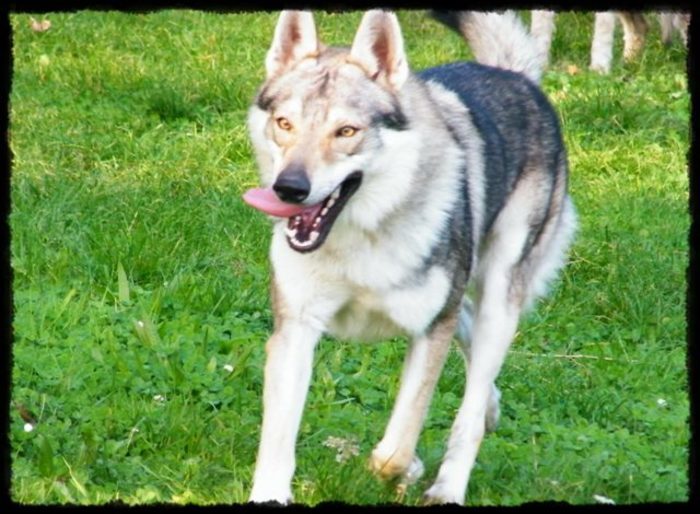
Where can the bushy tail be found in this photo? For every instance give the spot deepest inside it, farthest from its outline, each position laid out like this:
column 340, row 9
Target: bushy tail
column 497, row 39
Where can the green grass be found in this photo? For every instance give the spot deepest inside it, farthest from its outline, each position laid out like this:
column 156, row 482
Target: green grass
column 140, row 280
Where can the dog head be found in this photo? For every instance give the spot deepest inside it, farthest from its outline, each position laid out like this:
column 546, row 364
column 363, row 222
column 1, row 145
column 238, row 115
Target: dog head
column 323, row 119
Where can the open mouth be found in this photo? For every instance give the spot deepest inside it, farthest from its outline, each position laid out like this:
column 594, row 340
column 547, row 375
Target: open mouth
column 308, row 230
column 307, row 227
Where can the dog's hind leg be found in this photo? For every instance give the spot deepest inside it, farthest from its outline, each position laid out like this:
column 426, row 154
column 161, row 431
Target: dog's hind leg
column 495, row 322
column 394, row 456
column 287, row 376
column 527, row 240
column 464, row 335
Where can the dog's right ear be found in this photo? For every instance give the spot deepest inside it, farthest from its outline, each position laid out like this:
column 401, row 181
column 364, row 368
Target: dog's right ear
column 295, row 38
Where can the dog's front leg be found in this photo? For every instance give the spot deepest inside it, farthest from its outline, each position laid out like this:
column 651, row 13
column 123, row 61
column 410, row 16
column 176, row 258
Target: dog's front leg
column 287, row 375
column 394, row 455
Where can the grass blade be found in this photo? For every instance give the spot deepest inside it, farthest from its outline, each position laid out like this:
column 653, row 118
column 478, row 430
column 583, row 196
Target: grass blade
column 123, row 283
column 45, row 458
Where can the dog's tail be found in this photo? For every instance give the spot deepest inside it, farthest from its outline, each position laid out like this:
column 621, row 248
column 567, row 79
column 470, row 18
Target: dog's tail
column 497, row 39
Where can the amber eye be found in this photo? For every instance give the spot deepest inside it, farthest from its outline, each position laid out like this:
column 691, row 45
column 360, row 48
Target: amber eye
column 284, row 124
column 346, row 131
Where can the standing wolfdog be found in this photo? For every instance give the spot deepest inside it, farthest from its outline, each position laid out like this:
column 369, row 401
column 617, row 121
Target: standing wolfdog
column 390, row 193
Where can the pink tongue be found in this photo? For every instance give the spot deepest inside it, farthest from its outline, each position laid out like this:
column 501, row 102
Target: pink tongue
column 265, row 200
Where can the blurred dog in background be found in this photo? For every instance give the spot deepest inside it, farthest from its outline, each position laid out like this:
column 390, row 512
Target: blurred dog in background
column 634, row 25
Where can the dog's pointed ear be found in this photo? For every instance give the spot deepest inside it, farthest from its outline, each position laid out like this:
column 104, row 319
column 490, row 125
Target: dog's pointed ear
column 295, row 38
column 378, row 48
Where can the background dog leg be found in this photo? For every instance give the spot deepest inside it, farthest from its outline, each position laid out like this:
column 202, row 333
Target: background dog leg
column 395, row 454
column 681, row 22
column 287, row 376
column 542, row 29
column 671, row 21
column 666, row 22
column 635, row 29
column 602, row 44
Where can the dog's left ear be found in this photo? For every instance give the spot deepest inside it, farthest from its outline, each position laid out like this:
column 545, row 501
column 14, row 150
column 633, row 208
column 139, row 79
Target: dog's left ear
column 378, row 48
column 295, row 38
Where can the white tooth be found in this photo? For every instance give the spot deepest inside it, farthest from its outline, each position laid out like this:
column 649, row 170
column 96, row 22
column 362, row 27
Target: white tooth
column 336, row 194
column 324, row 211
column 313, row 236
column 296, row 242
column 316, row 222
column 330, row 203
column 291, row 233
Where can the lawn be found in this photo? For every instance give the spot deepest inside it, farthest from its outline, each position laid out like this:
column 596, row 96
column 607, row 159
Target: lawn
column 140, row 280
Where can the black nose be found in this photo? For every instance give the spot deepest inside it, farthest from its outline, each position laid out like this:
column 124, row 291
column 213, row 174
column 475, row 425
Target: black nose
column 292, row 185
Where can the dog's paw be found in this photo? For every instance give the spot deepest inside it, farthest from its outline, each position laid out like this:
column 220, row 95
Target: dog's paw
column 493, row 409
column 411, row 475
column 270, row 498
column 414, row 471
column 601, row 67
column 390, row 464
column 440, row 494
column 271, row 503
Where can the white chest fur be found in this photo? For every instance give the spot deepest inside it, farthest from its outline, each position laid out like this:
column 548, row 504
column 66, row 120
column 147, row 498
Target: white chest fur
column 372, row 314
column 355, row 297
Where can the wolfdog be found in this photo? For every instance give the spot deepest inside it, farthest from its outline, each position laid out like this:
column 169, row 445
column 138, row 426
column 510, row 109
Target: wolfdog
column 391, row 192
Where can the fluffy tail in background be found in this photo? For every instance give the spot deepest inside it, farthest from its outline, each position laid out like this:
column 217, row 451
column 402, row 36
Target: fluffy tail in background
column 497, row 39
